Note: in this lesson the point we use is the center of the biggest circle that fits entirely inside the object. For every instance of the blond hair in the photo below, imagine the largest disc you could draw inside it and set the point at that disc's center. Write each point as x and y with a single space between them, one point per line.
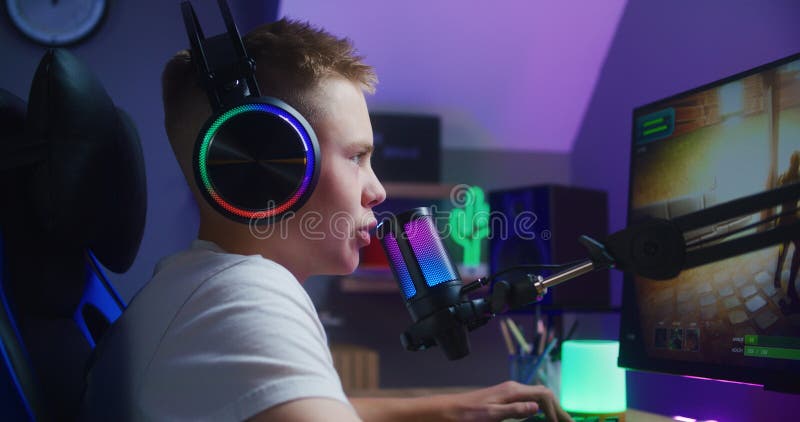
292 58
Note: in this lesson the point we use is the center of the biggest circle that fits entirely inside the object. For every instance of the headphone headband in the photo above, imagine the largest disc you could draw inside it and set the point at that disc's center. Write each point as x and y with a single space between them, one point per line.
225 70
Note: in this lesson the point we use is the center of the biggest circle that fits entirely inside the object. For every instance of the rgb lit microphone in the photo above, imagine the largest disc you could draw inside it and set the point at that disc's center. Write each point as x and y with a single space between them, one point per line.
435 295
429 282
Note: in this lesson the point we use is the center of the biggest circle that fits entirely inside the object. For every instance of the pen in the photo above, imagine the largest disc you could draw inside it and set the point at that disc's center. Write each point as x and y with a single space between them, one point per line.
571 330
537 321
526 348
542 336
507 337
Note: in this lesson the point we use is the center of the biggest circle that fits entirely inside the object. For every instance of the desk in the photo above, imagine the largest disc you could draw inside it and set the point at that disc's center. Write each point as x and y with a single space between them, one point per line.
631 415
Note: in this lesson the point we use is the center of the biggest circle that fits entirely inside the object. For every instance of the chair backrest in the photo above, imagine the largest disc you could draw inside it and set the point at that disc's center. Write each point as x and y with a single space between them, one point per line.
74 189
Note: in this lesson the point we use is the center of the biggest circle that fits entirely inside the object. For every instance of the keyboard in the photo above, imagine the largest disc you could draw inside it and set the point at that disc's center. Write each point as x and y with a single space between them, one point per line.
539 417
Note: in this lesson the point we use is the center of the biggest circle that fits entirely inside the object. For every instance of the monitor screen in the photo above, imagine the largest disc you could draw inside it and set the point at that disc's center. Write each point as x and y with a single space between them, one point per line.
736 319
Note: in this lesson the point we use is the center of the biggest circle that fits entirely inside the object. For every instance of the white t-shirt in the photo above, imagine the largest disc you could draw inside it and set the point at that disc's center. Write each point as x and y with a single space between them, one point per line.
213 336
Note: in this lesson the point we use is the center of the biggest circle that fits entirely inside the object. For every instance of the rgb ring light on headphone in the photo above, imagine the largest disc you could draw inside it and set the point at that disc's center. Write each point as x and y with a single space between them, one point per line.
209 136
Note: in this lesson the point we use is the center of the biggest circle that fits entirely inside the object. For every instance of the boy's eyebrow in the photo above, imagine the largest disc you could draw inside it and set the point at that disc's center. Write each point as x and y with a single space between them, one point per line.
361 146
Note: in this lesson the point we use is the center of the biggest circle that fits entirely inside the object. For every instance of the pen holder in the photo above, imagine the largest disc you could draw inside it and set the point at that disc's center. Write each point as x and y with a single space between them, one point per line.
521 366
530 369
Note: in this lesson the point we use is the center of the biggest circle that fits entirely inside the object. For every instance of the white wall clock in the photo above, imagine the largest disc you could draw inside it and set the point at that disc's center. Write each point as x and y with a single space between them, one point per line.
56 22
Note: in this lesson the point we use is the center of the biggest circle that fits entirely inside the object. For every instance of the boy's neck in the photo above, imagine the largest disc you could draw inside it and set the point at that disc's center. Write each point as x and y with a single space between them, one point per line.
236 238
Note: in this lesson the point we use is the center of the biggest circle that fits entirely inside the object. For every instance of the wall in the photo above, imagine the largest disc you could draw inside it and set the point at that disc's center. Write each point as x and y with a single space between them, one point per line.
508 75
662 48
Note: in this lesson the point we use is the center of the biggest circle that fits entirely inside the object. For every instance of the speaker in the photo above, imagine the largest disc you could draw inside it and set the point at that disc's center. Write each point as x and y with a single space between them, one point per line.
407 147
541 225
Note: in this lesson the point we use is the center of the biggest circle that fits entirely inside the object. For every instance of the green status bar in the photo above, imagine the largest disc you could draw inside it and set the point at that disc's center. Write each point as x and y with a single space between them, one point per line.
654 130
772 347
653 122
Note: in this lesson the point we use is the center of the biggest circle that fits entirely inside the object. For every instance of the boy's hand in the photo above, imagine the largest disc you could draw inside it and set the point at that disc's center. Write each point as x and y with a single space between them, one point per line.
503 401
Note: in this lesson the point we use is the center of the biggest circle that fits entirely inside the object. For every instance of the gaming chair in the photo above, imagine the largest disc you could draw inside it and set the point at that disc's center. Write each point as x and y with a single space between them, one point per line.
74 198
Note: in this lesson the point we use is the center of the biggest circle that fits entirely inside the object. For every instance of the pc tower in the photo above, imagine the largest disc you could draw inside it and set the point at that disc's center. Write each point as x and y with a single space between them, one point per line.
541 225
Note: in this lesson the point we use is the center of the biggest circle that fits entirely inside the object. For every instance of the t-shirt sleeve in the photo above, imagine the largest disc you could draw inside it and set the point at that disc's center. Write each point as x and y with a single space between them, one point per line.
246 340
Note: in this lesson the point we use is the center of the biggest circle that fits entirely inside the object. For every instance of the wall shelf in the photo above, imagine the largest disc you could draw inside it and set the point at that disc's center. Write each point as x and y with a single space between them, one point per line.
418 190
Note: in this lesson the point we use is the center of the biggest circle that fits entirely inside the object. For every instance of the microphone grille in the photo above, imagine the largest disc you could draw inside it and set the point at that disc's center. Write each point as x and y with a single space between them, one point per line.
430 252
399 265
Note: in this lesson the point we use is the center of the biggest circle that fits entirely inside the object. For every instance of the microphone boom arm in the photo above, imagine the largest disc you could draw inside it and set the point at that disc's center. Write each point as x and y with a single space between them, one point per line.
656 248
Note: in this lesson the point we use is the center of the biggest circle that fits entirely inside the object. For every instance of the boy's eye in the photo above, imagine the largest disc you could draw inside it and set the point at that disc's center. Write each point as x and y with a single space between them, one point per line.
358 158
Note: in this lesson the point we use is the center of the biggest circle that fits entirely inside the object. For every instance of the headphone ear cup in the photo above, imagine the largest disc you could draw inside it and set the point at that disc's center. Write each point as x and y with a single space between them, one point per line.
257 161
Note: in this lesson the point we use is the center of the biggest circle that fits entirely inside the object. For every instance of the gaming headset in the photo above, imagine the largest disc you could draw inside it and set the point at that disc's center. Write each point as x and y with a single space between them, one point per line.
256 159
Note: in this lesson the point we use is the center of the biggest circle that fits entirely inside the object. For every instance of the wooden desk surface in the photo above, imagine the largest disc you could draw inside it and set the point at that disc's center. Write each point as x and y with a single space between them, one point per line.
631 415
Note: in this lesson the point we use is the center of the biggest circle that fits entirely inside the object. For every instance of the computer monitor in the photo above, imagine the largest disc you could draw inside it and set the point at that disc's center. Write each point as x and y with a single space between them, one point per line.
733 319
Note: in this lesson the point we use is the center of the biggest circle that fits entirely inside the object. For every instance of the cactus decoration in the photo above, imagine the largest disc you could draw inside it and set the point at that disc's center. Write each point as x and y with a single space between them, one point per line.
469 225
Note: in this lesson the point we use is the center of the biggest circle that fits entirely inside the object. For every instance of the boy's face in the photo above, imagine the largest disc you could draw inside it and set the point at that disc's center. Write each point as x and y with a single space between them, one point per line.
335 222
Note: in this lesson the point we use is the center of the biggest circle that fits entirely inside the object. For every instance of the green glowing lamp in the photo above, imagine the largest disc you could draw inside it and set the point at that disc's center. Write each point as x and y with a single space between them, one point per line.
591 382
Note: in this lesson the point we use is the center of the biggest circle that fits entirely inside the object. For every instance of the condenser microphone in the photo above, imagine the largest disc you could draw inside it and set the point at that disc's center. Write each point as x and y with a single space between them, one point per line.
429 282
436 297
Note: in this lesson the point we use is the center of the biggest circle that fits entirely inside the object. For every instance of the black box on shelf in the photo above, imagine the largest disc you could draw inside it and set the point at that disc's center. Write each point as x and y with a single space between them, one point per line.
407 147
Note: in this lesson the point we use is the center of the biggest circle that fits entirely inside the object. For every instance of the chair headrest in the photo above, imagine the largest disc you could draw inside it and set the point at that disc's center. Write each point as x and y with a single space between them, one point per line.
12 142
12 114
89 188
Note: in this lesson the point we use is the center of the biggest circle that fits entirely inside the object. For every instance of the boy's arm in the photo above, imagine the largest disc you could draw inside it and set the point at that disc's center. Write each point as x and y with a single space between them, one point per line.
507 400
390 409
308 410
